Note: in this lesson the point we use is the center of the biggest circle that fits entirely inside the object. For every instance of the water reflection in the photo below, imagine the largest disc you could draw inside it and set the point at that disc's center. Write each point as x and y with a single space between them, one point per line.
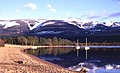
67 57
50 51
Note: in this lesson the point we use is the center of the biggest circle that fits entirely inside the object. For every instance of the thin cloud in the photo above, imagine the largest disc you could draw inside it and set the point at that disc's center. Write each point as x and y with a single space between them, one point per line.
113 15
19 11
93 17
31 6
118 1
51 8
97 15
92 13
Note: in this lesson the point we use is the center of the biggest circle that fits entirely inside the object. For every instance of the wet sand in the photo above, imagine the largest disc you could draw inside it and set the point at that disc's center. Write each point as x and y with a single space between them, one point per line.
14 60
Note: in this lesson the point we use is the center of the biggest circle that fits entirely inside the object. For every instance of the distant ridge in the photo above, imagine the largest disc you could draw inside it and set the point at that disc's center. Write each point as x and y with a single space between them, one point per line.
60 28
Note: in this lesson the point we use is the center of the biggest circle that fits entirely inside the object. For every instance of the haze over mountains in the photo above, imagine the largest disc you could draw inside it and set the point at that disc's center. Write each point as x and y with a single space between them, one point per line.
58 28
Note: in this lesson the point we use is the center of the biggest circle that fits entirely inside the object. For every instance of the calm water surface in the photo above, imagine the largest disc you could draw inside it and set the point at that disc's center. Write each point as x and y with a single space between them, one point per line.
99 60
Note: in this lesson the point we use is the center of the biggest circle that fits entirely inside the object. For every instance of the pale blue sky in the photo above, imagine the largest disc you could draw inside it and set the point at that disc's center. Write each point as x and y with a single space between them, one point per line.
104 10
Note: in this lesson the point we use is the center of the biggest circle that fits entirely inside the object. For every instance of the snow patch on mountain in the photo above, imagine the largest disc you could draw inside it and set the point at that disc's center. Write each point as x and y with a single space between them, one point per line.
7 24
10 24
3 22
78 22
36 24
49 32
112 24
33 27
48 23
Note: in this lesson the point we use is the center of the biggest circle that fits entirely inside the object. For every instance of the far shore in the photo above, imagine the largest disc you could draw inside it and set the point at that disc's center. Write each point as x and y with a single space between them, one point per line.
13 59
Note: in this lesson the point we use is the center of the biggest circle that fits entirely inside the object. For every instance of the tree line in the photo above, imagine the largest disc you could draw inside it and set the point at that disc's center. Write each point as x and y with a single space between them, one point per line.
34 40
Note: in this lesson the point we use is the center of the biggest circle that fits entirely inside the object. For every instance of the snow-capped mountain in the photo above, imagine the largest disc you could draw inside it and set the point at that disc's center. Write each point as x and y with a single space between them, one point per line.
9 27
68 26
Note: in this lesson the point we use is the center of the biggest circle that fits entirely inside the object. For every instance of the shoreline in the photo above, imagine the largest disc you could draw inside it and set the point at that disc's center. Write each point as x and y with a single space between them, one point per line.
15 60
38 59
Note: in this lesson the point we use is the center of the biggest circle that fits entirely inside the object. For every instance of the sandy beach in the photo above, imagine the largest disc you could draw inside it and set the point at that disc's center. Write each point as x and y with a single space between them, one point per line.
14 60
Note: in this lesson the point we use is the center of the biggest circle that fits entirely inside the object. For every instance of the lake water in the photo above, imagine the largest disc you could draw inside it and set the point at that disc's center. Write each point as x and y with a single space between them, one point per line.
102 60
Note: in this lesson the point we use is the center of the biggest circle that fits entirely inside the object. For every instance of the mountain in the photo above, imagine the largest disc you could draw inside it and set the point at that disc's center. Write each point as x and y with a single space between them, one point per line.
11 27
71 28
56 27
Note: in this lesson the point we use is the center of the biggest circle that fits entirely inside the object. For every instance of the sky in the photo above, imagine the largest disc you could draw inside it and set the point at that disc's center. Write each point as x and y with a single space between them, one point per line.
100 10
